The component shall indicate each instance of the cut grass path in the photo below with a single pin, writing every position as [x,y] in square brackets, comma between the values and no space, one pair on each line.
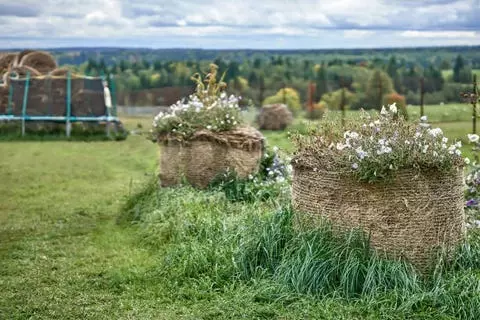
[58,236]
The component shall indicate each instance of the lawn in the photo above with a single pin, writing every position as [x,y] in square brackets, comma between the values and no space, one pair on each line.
[63,254]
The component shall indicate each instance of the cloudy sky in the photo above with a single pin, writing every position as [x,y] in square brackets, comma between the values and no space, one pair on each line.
[260,24]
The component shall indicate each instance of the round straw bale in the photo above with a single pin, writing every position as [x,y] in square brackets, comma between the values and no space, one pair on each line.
[21,72]
[208,154]
[39,60]
[274,117]
[412,217]
[20,55]
[6,62]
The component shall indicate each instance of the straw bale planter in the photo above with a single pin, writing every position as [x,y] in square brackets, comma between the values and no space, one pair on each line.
[274,117]
[409,217]
[207,154]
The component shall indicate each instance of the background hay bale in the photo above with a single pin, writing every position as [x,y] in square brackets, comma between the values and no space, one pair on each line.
[41,61]
[274,117]
[88,103]
[6,62]
[207,154]
[20,55]
[21,71]
[411,217]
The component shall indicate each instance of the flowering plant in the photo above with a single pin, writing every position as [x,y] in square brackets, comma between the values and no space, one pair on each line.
[271,181]
[208,108]
[377,146]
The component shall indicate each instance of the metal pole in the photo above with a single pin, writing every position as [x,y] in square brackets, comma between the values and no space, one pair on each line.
[24,102]
[422,92]
[474,104]
[10,98]
[68,128]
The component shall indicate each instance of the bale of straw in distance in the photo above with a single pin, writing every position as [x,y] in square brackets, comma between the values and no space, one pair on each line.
[411,217]
[39,60]
[88,103]
[274,117]
[21,71]
[208,154]
[6,62]
[20,55]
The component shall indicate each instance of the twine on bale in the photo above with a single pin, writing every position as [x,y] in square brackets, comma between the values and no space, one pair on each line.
[20,55]
[411,217]
[274,117]
[63,73]
[21,72]
[207,154]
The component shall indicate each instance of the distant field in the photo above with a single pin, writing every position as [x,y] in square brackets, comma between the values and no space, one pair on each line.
[446,74]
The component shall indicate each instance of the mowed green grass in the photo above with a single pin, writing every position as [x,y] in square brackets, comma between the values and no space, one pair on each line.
[447,74]
[63,256]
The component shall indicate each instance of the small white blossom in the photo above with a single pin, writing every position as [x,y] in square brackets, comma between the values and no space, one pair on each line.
[393,108]
[275,149]
[209,127]
[458,144]
[473,137]
[383,111]
[444,139]
[355,166]
[467,161]
[424,118]
[458,152]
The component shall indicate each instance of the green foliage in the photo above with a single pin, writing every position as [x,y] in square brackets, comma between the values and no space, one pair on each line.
[334,100]
[270,182]
[288,96]
[378,86]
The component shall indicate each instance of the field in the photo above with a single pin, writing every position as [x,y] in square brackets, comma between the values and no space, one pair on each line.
[446,74]
[67,253]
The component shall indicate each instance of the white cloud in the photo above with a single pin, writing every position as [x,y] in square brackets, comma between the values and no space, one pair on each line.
[348,22]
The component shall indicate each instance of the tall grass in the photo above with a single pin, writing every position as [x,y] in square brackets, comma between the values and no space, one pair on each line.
[210,243]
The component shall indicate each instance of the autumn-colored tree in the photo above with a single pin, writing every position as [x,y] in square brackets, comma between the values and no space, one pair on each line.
[289,96]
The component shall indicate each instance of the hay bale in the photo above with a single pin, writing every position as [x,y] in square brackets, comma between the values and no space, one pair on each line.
[88,103]
[63,73]
[3,99]
[20,55]
[6,62]
[41,61]
[21,71]
[410,217]
[208,154]
[274,117]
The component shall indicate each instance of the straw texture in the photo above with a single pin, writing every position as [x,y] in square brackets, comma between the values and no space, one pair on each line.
[274,117]
[410,217]
[207,154]
[43,62]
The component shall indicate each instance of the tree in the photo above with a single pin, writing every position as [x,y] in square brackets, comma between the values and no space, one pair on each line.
[321,82]
[457,68]
[333,100]
[291,97]
[379,85]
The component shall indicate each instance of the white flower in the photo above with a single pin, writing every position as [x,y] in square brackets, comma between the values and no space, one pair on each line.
[371,125]
[467,161]
[444,139]
[355,166]
[341,146]
[315,169]
[435,132]
[381,142]
[209,127]
[234,123]
[458,144]
[387,149]
[275,149]
[425,148]
[435,153]
[444,146]
[407,142]
[383,111]
[391,167]
[458,152]
[473,137]
[424,118]
[393,108]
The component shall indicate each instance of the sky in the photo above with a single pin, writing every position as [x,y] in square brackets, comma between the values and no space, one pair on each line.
[239,24]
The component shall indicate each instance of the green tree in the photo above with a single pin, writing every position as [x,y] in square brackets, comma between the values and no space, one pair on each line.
[321,81]
[289,96]
[379,85]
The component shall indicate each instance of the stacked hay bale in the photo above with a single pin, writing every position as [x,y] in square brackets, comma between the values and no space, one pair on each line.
[274,117]
[36,62]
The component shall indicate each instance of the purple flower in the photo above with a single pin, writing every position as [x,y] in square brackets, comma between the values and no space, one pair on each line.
[471,203]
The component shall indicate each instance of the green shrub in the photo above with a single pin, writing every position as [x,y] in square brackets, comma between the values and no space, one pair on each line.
[289,96]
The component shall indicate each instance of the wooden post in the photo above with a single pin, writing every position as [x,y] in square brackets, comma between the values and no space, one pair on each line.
[25,100]
[474,104]
[422,93]
[68,128]
[10,98]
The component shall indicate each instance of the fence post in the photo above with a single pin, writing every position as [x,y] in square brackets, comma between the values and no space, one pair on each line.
[24,102]
[68,127]
[10,98]
[474,104]
[422,93]
[114,97]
